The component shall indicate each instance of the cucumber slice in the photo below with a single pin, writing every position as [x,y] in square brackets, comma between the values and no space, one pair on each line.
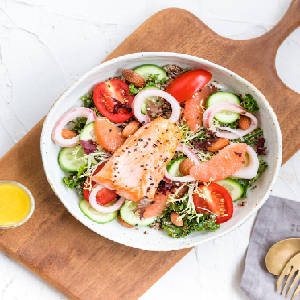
[154,99]
[151,87]
[94,215]
[234,188]
[222,97]
[88,132]
[173,166]
[132,218]
[146,70]
[224,116]
[67,160]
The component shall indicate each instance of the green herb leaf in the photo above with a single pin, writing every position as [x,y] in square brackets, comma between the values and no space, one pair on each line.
[79,123]
[87,100]
[153,80]
[249,103]
[153,77]
[163,81]
[149,85]
[75,180]
[133,90]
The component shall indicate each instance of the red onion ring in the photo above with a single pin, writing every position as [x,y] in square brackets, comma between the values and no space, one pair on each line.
[190,154]
[65,119]
[100,208]
[235,133]
[141,96]
[250,171]
[228,135]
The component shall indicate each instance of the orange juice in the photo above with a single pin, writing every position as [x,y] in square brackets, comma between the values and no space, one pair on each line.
[15,204]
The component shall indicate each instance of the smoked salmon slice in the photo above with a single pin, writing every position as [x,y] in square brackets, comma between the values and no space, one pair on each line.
[137,167]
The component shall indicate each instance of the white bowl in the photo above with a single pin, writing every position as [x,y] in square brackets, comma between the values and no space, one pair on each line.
[159,240]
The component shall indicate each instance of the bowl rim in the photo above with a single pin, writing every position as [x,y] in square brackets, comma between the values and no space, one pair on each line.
[278,151]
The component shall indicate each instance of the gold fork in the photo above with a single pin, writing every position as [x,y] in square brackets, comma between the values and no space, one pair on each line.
[291,268]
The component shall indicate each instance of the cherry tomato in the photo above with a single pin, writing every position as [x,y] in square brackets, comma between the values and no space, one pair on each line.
[187,84]
[113,100]
[104,196]
[216,200]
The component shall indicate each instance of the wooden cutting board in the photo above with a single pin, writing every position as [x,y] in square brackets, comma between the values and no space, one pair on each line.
[77,261]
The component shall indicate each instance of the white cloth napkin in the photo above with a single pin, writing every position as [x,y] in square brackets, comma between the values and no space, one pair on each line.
[278,219]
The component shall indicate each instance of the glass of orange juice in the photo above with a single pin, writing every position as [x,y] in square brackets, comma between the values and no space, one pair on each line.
[16,204]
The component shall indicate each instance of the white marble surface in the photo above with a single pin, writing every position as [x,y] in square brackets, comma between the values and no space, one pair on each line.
[46,45]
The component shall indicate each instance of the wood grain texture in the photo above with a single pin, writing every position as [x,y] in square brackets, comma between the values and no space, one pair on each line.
[73,258]
[177,30]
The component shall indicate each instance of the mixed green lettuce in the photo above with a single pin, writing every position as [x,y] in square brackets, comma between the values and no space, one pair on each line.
[75,180]
[249,104]
[204,222]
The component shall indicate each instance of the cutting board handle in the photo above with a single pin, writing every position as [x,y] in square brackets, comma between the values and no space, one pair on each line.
[264,48]
[289,22]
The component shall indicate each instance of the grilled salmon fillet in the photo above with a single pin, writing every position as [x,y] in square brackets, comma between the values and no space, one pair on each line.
[137,167]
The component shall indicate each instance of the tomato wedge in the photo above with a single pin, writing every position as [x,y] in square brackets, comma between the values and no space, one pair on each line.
[113,100]
[216,200]
[187,84]
[104,196]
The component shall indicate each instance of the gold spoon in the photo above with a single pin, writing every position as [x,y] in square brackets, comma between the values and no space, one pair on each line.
[280,254]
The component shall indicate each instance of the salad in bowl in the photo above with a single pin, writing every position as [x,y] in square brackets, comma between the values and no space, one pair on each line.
[167,146]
